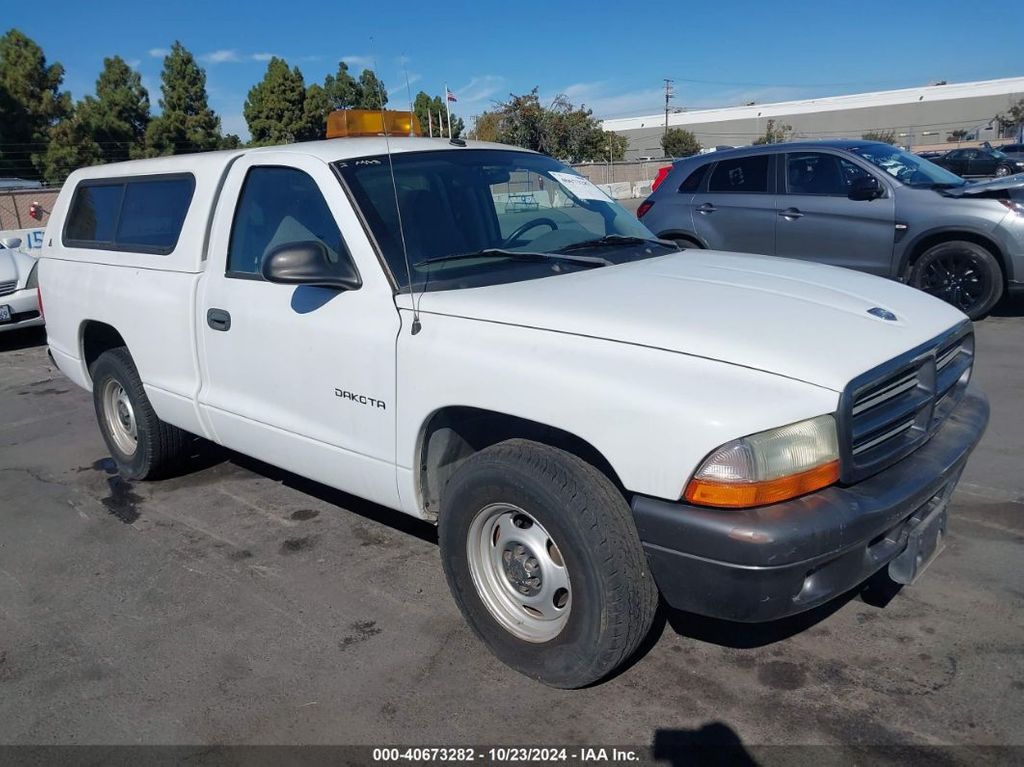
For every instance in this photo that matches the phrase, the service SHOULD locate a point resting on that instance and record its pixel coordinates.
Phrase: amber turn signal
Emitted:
(737, 495)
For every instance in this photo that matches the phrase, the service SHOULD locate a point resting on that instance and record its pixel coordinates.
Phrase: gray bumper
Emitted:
(770, 562)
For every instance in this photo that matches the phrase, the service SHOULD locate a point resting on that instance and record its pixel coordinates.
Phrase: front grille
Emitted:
(8, 287)
(890, 411)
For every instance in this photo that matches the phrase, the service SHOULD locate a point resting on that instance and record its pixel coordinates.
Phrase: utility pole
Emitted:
(668, 96)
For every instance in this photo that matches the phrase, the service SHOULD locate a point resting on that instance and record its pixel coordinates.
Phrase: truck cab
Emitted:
(476, 335)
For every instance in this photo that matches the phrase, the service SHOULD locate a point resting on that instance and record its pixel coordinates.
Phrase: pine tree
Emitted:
(186, 124)
(118, 116)
(370, 92)
(31, 103)
(274, 109)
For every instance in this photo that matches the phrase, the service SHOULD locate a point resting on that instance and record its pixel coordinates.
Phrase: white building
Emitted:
(919, 117)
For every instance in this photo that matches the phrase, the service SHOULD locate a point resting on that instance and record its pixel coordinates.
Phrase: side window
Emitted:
(153, 213)
(141, 215)
(745, 174)
(93, 215)
(692, 182)
(277, 206)
(816, 173)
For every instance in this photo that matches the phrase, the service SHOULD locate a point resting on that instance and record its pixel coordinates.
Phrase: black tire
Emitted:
(614, 597)
(961, 273)
(159, 447)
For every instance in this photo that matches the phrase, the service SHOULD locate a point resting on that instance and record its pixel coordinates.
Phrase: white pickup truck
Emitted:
(475, 335)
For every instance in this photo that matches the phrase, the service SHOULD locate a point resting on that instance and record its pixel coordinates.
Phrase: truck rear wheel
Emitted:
(142, 446)
(543, 559)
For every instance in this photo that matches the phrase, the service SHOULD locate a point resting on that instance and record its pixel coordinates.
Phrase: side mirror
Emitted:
(865, 188)
(306, 263)
(11, 242)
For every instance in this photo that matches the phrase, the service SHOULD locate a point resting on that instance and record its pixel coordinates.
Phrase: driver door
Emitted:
(299, 376)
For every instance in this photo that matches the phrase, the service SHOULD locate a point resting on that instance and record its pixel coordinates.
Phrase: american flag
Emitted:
(449, 95)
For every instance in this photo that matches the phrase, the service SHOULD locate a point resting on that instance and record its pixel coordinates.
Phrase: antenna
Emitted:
(408, 92)
(398, 208)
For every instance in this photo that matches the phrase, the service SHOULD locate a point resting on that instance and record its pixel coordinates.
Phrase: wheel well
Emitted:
(681, 236)
(940, 237)
(98, 337)
(454, 433)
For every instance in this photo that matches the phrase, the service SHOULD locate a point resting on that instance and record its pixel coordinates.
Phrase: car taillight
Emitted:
(662, 173)
(645, 206)
(39, 298)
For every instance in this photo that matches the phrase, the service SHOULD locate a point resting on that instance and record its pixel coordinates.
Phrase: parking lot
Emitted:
(241, 604)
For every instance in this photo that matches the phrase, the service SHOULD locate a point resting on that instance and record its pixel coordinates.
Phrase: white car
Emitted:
(19, 297)
(588, 414)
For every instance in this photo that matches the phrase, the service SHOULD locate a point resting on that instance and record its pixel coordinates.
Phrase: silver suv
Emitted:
(859, 204)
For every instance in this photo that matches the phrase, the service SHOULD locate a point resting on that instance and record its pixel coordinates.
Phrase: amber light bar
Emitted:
(348, 123)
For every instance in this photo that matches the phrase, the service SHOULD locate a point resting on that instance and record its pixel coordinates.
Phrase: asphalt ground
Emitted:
(240, 604)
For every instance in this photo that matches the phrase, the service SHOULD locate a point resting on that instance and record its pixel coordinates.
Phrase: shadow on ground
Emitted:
(13, 340)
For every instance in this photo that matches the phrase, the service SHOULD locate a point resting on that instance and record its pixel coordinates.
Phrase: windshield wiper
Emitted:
(616, 240)
(518, 255)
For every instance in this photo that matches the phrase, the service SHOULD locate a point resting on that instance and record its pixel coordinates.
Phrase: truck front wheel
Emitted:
(543, 559)
(142, 446)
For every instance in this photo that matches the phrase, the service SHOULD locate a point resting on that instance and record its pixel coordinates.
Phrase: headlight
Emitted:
(769, 467)
(33, 277)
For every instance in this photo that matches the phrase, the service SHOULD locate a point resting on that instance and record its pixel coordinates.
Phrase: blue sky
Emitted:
(611, 56)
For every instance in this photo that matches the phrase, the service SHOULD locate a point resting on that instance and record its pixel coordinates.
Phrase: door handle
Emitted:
(706, 208)
(791, 213)
(218, 319)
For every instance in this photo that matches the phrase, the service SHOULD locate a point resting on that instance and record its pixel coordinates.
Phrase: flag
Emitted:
(449, 95)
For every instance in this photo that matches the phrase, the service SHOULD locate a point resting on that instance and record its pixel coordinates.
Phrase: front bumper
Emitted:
(24, 306)
(773, 561)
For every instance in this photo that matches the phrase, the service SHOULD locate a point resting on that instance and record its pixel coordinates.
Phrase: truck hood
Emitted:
(15, 265)
(796, 319)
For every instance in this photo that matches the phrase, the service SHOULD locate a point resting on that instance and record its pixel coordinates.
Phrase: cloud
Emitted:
(158, 53)
(607, 101)
(220, 57)
(262, 56)
(356, 62)
(400, 91)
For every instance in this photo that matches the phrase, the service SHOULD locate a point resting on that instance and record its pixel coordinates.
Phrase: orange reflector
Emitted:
(746, 494)
(345, 123)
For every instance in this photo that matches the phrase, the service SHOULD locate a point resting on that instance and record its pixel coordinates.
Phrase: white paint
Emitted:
(654, 363)
(929, 93)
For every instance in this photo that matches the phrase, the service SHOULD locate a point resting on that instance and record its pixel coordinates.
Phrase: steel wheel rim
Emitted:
(1002, 172)
(957, 278)
(120, 417)
(519, 573)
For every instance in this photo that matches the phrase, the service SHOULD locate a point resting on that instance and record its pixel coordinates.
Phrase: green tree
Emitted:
(31, 104)
(118, 116)
(957, 135)
(186, 123)
(679, 142)
(72, 146)
(486, 127)
(1012, 119)
(885, 136)
(775, 133)
(560, 130)
(275, 106)
(435, 106)
(370, 91)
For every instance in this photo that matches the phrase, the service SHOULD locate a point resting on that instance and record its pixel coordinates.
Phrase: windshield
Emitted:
(473, 217)
(908, 168)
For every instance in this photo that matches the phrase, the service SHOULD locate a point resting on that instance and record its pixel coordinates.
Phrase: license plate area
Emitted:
(5, 313)
(925, 541)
